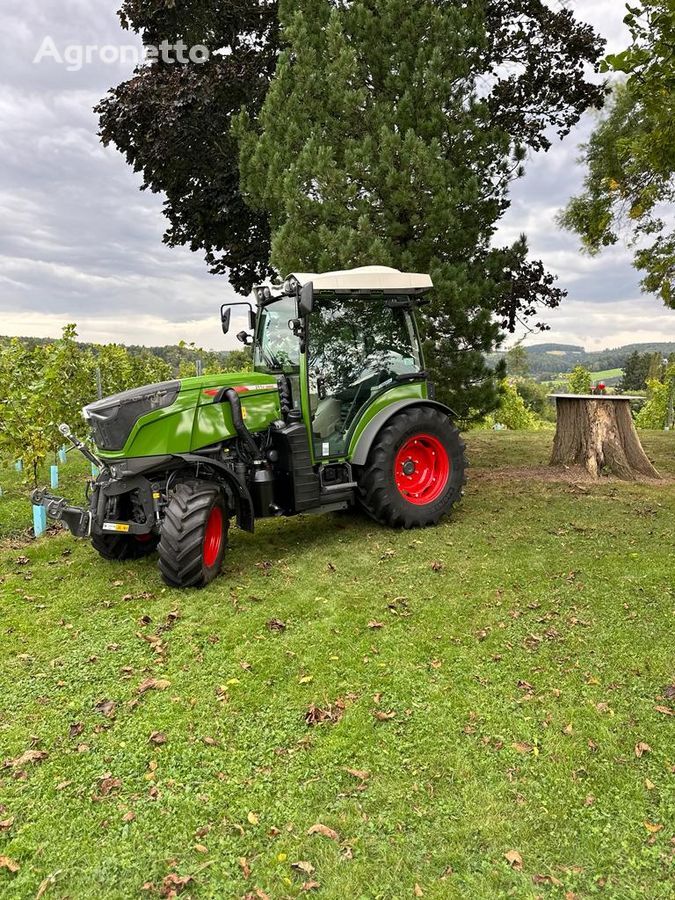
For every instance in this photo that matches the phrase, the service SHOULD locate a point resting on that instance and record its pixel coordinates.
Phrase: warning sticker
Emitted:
(115, 526)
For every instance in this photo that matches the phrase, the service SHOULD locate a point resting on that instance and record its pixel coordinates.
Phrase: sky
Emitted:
(79, 242)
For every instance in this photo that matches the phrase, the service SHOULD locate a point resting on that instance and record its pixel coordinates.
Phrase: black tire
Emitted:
(189, 556)
(399, 507)
(121, 547)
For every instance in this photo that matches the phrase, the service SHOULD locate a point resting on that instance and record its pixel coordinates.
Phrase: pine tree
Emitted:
(390, 135)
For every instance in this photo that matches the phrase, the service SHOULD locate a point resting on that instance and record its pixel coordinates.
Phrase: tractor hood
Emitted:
(179, 416)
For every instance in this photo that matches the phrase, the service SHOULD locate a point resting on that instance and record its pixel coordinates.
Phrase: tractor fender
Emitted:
(245, 509)
(360, 455)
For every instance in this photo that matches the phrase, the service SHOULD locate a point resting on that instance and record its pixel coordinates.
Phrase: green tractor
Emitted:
(337, 412)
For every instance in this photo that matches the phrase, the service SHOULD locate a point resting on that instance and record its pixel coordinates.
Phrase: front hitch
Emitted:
(77, 519)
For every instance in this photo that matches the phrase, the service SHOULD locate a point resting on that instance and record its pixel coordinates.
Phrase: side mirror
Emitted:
(306, 299)
(226, 318)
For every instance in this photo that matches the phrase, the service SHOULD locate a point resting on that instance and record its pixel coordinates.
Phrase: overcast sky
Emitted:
(80, 243)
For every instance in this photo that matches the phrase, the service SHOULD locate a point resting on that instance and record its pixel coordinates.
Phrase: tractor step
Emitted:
(339, 487)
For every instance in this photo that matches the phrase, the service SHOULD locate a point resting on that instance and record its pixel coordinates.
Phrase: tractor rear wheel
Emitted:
(415, 470)
(121, 547)
(194, 535)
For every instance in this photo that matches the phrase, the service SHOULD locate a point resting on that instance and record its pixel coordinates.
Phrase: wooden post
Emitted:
(597, 432)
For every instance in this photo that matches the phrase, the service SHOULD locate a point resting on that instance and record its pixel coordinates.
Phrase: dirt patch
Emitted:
(575, 475)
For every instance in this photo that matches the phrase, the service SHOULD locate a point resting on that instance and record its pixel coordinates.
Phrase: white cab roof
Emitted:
(367, 278)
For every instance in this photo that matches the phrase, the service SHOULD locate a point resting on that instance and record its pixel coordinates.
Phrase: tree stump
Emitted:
(597, 432)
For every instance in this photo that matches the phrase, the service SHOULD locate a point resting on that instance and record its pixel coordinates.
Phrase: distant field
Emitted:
(608, 375)
(611, 377)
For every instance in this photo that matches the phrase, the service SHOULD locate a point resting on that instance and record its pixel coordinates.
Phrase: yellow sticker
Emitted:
(115, 526)
(156, 495)
(244, 412)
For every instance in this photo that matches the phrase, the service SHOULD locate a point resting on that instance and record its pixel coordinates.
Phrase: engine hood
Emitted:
(174, 416)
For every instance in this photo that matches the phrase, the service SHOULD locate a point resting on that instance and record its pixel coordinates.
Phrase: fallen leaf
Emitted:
(252, 818)
(153, 684)
(590, 800)
(383, 716)
(417, 890)
(665, 710)
(45, 884)
(514, 859)
(30, 756)
(276, 625)
(6, 824)
(10, 864)
(669, 692)
(358, 773)
(158, 738)
(568, 729)
(373, 624)
(306, 679)
(522, 747)
(129, 816)
(325, 831)
(75, 729)
(653, 828)
(641, 749)
(547, 879)
(106, 708)
(310, 886)
(210, 742)
(109, 784)
(201, 848)
(303, 866)
(331, 714)
(649, 784)
(63, 785)
(437, 566)
(244, 866)
(173, 884)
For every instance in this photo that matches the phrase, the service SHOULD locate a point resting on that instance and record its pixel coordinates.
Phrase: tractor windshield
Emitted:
(277, 349)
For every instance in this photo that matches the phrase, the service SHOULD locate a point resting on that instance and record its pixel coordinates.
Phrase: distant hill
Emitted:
(547, 361)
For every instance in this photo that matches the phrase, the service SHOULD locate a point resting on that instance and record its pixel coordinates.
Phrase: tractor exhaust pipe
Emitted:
(232, 398)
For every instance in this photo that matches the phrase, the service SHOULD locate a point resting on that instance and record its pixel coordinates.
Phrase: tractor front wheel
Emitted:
(415, 470)
(194, 535)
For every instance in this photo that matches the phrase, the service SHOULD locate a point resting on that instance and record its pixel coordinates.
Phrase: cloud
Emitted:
(80, 243)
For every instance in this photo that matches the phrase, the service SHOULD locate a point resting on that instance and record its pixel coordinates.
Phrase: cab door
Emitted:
(358, 347)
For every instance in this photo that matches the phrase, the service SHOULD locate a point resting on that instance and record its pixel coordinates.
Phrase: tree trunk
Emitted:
(599, 433)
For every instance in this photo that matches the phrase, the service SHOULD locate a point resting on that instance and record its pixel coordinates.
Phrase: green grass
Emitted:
(537, 607)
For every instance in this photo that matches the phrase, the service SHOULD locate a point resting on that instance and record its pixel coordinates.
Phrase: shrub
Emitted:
(580, 381)
(655, 412)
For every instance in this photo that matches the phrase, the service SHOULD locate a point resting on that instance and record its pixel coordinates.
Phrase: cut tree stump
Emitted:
(597, 432)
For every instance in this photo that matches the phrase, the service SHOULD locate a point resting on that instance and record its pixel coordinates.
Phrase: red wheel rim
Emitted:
(422, 469)
(213, 537)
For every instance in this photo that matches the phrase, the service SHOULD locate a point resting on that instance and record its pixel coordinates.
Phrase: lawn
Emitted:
(482, 709)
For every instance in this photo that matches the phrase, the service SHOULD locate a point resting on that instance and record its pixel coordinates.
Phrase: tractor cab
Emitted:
(338, 342)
